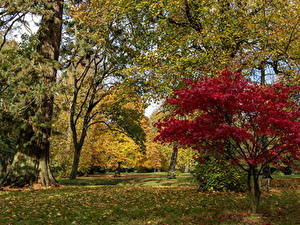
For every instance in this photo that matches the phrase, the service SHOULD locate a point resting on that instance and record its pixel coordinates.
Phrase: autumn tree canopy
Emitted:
(141, 48)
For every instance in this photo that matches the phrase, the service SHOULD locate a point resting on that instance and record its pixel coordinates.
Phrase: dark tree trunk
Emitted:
(77, 144)
(118, 170)
(262, 75)
(45, 177)
(76, 159)
(254, 189)
(173, 162)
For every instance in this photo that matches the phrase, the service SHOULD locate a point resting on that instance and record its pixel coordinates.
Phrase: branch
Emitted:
(191, 19)
(234, 159)
(291, 36)
(83, 75)
(87, 95)
(9, 28)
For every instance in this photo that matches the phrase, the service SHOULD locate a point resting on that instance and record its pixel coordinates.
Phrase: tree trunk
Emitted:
(49, 36)
(76, 159)
(77, 145)
(173, 162)
(32, 165)
(254, 189)
(45, 177)
(118, 170)
(262, 73)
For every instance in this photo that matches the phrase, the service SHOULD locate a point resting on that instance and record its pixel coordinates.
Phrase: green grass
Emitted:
(136, 179)
(137, 200)
(281, 175)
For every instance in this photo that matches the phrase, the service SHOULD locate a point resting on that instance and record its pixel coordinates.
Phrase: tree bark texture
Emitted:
(49, 36)
(173, 162)
(254, 189)
(76, 159)
(77, 143)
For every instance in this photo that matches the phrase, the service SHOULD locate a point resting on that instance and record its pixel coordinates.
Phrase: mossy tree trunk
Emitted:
(21, 172)
(49, 36)
(32, 165)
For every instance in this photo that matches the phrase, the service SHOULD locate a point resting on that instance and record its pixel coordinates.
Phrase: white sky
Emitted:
(31, 28)
(151, 108)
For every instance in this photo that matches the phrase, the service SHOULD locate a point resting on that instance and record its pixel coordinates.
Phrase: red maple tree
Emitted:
(252, 125)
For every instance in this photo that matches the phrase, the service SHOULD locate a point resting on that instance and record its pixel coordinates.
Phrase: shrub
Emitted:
(217, 175)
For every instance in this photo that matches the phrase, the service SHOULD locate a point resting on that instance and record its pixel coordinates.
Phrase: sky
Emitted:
(31, 28)
(151, 108)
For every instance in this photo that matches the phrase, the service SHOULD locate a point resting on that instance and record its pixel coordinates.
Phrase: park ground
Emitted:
(137, 199)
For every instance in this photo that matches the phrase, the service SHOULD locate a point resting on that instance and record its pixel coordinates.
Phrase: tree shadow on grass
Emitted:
(126, 180)
(92, 182)
(281, 209)
(276, 208)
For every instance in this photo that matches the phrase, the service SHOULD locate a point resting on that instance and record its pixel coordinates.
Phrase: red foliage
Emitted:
(248, 122)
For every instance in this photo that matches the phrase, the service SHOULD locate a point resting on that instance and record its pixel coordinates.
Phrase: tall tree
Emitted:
(49, 37)
(96, 60)
(44, 55)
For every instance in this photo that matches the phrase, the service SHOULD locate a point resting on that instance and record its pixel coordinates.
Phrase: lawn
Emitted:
(144, 199)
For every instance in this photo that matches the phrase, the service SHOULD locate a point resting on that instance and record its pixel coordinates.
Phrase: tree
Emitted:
(193, 37)
(173, 161)
(120, 138)
(251, 125)
(95, 63)
(29, 84)
(167, 157)
(107, 106)
(42, 66)
(116, 136)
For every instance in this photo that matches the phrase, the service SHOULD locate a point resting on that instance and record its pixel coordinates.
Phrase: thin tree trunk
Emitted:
(118, 170)
(262, 75)
(254, 189)
(77, 145)
(173, 162)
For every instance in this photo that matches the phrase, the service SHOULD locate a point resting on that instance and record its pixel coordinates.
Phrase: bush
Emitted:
(218, 175)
